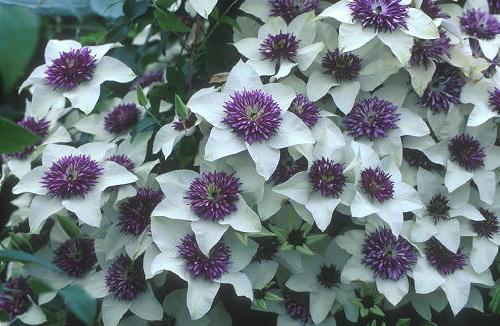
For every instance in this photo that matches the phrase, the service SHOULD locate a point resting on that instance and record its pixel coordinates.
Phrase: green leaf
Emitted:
(272, 297)
(169, 22)
(69, 225)
(14, 138)
(80, 303)
(377, 311)
(495, 300)
(19, 29)
(38, 286)
(242, 237)
(229, 21)
(403, 322)
(141, 97)
(164, 3)
(181, 109)
(23, 257)
(305, 250)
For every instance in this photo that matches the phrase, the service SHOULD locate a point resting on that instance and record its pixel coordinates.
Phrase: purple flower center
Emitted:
(296, 237)
(71, 176)
(328, 276)
(377, 184)
(305, 109)
(214, 195)
(494, 100)
(371, 118)
(480, 24)
(149, 78)
(437, 208)
(432, 9)
(388, 256)
(135, 212)
(122, 160)
(327, 177)
(297, 306)
(287, 167)
(122, 118)
(212, 267)
(253, 115)
(444, 88)
(279, 46)
(342, 66)
(183, 124)
(75, 256)
(445, 261)
(425, 51)
(125, 279)
(71, 69)
(382, 15)
(467, 152)
(38, 127)
(489, 227)
(14, 298)
(268, 247)
(289, 9)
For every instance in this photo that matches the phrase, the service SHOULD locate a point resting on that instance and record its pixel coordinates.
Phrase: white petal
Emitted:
(44, 96)
(426, 278)
(94, 284)
(321, 303)
(242, 76)
(100, 51)
(203, 7)
(146, 306)
(164, 262)
(41, 208)
(54, 49)
(353, 270)
(423, 229)
(420, 25)
(85, 96)
(87, 209)
(486, 184)
(19, 168)
(113, 175)
(306, 55)
(296, 188)
(457, 291)
(266, 158)
(34, 316)
(200, 295)
(374, 73)
(240, 282)
(361, 206)
(303, 282)
(93, 124)
(449, 234)
(421, 76)
(249, 47)
(282, 94)
(479, 115)
(318, 85)
(292, 131)
(54, 152)
(243, 219)
(166, 138)
(483, 253)
(210, 107)
(261, 273)
(113, 70)
(340, 11)
(322, 209)
(346, 40)
(285, 68)
(258, 8)
(351, 241)
(36, 76)
(304, 28)
(97, 150)
(31, 182)
(113, 310)
(263, 67)
(175, 206)
(399, 43)
(394, 291)
(178, 178)
(207, 233)
(490, 47)
(241, 253)
(345, 94)
(455, 176)
(60, 135)
(273, 26)
(232, 144)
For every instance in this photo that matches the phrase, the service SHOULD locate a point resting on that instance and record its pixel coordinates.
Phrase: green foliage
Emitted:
(495, 300)
(14, 138)
(181, 109)
(168, 21)
(23, 257)
(80, 303)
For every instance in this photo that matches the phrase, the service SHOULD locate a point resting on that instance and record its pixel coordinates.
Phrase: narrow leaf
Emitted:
(80, 303)
(14, 138)
(23, 257)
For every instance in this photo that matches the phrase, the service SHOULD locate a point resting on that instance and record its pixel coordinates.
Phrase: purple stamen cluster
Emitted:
(289, 9)
(213, 195)
(388, 256)
(489, 226)
(135, 212)
(467, 152)
(183, 124)
(149, 78)
(71, 176)
(296, 237)
(444, 88)
(210, 268)
(279, 46)
(445, 261)
(267, 248)
(377, 184)
(72, 68)
(305, 109)
(382, 15)
(327, 177)
(478, 23)
(287, 167)
(122, 118)
(122, 160)
(253, 115)
(39, 128)
(14, 298)
(297, 306)
(125, 279)
(75, 257)
(432, 9)
(494, 100)
(437, 208)
(425, 51)
(371, 118)
(328, 276)
(343, 66)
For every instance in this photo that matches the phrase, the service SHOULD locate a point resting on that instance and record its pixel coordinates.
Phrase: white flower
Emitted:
(80, 84)
(477, 93)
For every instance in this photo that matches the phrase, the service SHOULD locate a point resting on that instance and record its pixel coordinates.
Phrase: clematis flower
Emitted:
(484, 95)
(204, 273)
(279, 47)
(71, 178)
(440, 216)
(321, 279)
(247, 115)
(380, 191)
(286, 9)
(76, 73)
(393, 22)
(377, 255)
(211, 200)
(16, 301)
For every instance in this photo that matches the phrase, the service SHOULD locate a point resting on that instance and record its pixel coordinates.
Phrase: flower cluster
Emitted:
(382, 114)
